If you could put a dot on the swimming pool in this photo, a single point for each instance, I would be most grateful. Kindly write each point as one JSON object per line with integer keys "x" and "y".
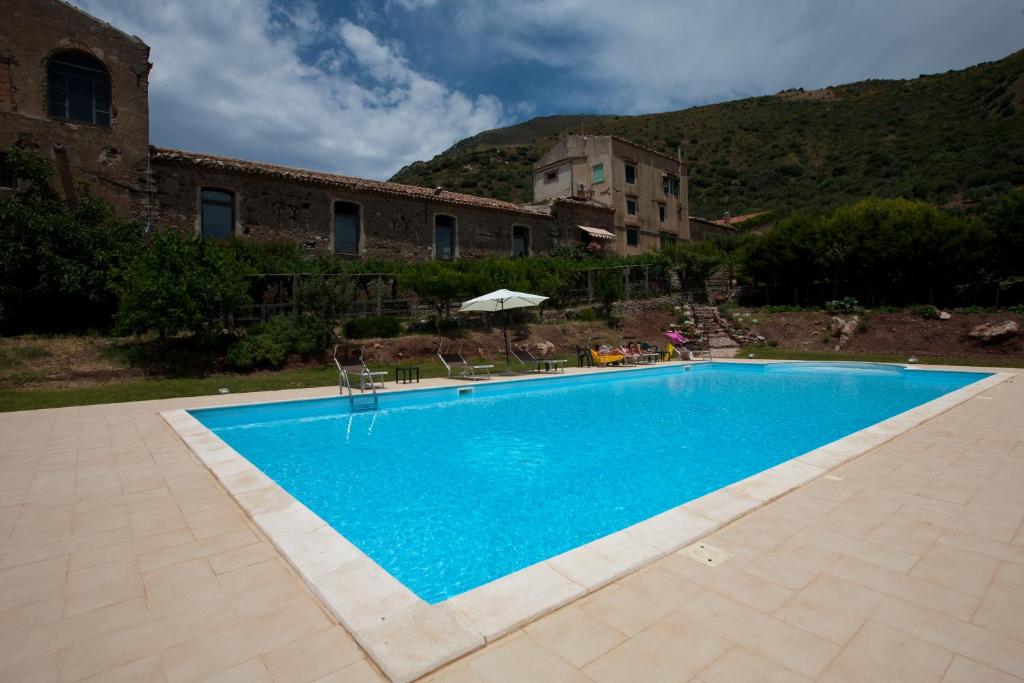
{"x": 448, "y": 491}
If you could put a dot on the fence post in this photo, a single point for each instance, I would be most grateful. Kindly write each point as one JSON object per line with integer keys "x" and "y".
{"x": 647, "y": 280}
{"x": 380, "y": 296}
{"x": 625, "y": 274}
{"x": 590, "y": 287}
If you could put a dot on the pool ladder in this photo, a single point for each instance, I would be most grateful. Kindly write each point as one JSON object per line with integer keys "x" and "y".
{"x": 361, "y": 402}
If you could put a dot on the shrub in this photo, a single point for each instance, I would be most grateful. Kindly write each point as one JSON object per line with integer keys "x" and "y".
{"x": 377, "y": 326}
{"x": 928, "y": 312}
{"x": 180, "y": 284}
{"x": 268, "y": 345}
{"x": 57, "y": 263}
{"x": 847, "y": 305}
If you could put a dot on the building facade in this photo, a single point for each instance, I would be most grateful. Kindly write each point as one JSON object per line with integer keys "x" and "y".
{"x": 75, "y": 90}
{"x": 646, "y": 189}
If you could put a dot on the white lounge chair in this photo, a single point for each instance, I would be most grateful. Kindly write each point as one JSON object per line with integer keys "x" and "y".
{"x": 536, "y": 364}
{"x": 455, "y": 362}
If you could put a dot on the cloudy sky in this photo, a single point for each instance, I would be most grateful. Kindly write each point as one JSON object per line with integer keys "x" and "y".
{"x": 365, "y": 87}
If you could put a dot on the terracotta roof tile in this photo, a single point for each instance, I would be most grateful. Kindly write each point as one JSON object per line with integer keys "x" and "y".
{"x": 177, "y": 156}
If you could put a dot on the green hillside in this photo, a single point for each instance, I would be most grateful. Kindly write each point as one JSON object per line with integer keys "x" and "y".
{"x": 948, "y": 138}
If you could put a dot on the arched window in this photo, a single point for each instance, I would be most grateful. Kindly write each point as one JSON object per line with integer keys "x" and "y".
{"x": 217, "y": 215}
{"x": 520, "y": 240}
{"x": 346, "y": 228}
{"x": 444, "y": 237}
{"x": 78, "y": 88}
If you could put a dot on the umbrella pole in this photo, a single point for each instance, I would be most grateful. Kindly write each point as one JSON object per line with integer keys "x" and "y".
{"x": 504, "y": 335}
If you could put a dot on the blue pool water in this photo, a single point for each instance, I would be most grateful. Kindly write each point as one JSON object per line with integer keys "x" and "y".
{"x": 447, "y": 493}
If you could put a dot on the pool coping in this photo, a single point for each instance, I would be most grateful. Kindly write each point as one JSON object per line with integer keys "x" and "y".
{"x": 409, "y": 638}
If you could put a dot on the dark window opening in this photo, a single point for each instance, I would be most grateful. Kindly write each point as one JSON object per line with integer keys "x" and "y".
{"x": 218, "y": 214}
{"x": 661, "y": 212}
{"x": 632, "y": 237}
{"x": 346, "y": 228}
{"x": 520, "y": 240}
{"x": 7, "y": 178}
{"x": 631, "y": 206}
{"x": 550, "y": 176}
{"x": 630, "y": 174}
{"x": 444, "y": 238}
{"x": 670, "y": 185}
{"x": 78, "y": 88}
{"x": 667, "y": 238}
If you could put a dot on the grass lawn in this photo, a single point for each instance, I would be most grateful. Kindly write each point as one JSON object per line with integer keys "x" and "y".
{"x": 768, "y": 352}
{"x": 149, "y": 389}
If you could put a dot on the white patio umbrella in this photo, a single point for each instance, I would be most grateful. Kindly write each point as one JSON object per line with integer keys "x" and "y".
{"x": 500, "y": 301}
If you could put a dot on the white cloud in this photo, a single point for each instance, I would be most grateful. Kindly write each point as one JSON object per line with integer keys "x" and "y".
{"x": 233, "y": 77}
{"x": 654, "y": 55}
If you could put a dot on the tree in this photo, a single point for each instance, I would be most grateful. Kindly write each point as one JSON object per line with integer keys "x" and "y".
{"x": 181, "y": 284}
{"x": 56, "y": 262}
{"x": 692, "y": 262}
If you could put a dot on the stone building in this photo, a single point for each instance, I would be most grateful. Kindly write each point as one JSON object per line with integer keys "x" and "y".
{"x": 354, "y": 217}
{"x": 646, "y": 189}
{"x": 76, "y": 90}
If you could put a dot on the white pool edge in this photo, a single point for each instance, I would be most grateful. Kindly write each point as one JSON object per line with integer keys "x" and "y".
{"x": 409, "y": 638}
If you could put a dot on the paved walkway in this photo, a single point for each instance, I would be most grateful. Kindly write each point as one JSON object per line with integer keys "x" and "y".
{"x": 122, "y": 559}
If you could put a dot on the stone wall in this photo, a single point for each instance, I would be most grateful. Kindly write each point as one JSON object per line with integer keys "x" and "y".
{"x": 106, "y": 161}
{"x": 268, "y": 208}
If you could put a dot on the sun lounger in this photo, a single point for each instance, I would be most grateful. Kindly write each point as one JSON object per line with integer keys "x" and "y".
{"x": 455, "y": 362}
{"x": 612, "y": 358}
{"x": 536, "y": 364}
{"x": 350, "y": 371}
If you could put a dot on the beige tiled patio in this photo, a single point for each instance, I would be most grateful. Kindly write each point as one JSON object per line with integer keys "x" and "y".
{"x": 121, "y": 558}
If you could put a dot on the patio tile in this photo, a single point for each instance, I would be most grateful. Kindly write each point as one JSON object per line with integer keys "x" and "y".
{"x": 1013, "y": 573}
{"x": 742, "y": 665}
{"x": 185, "y": 552}
{"x": 965, "y": 571}
{"x": 791, "y": 565}
{"x": 1001, "y": 609}
{"x": 974, "y": 642}
{"x": 180, "y": 587}
{"x": 631, "y": 606}
{"x": 963, "y": 670}
{"x": 803, "y": 652}
{"x": 857, "y": 549}
{"x": 146, "y": 669}
{"x": 673, "y": 649}
{"x": 904, "y": 534}
{"x": 880, "y": 653}
{"x": 831, "y": 608}
{"x": 356, "y": 672}
{"x": 522, "y": 659}
{"x": 313, "y": 657}
{"x": 108, "y": 584}
{"x": 574, "y": 635}
{"x": 261, "y": 588}
{"x": 102, "y": 651}
{"x": 224, "y": 648}
{"x": 241, "y": 557}
{"x": 737, "y": 584}
{"x": 251, "y": 671}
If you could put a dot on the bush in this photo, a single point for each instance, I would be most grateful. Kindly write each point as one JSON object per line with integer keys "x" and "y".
{"x": 57, "y": 263}
{"x": 847, "y": 305}
{"x": 268, "y": 345}
{"x": 927, "y": 312}
{"x": 181, "y": 284}
{"x": 377, "y": 326}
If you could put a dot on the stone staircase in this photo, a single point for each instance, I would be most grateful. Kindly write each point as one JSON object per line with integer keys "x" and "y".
{"x": 715, "y": 330}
